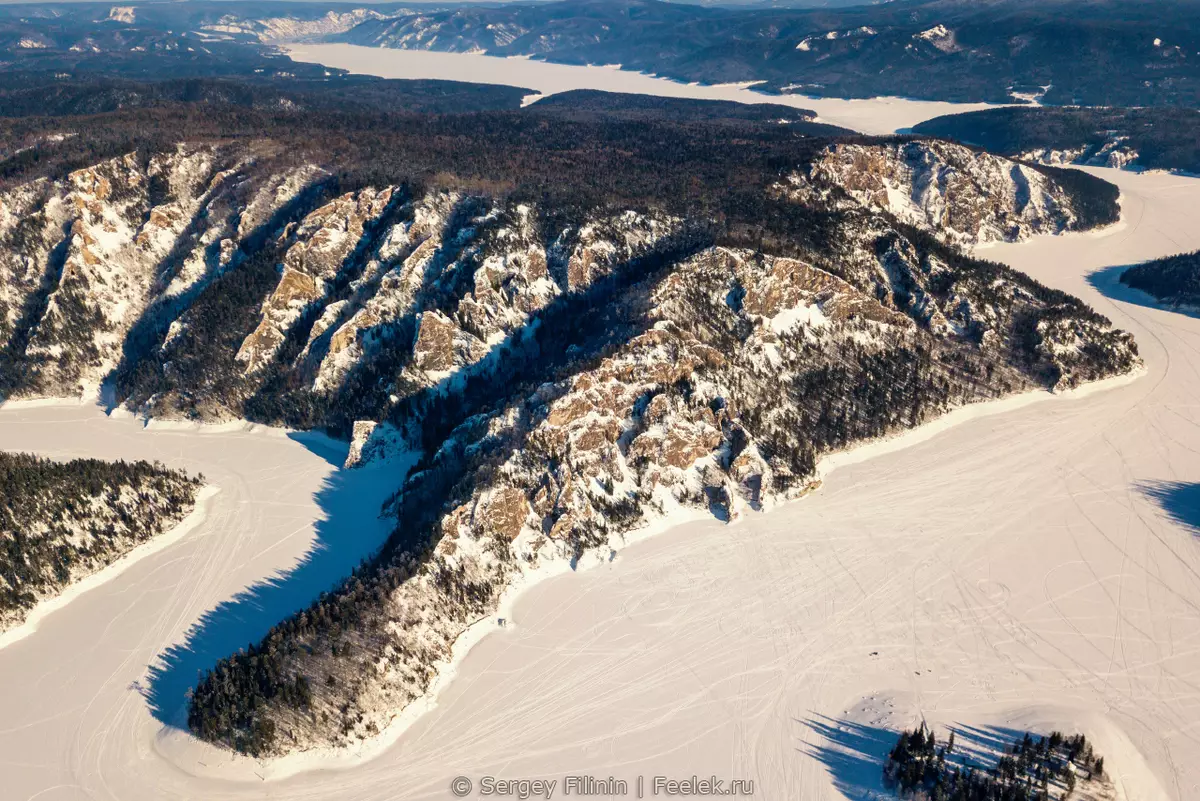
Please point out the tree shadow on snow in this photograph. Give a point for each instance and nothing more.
(349, 530)
(1179, 500)
(854, 755)
(1108, 283)
(981, 747)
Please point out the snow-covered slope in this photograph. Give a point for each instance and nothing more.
(565, 372)
(963, 196)
(87, 256)
(1115, 152)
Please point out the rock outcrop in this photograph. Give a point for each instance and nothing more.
(559, 374)
(963, 196)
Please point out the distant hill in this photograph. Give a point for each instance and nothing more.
(1141, 138)
(1065, 52)
(1084, 52)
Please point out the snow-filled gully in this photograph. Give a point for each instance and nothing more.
(1036, 566)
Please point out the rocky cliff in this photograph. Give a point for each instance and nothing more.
(962, 196)
(565, 369)
(87, 257)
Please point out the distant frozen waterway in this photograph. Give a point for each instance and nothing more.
(877, 116)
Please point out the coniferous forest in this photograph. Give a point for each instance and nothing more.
(1032, 768)
(1173, 280)
(60, 521)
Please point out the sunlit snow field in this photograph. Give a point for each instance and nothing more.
(1033, 567)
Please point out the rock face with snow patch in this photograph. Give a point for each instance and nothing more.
(1114, 153)
(87, 257)
(559, 374)
(963, 196)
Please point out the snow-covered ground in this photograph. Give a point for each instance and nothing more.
(1034, 567)
(878, 115)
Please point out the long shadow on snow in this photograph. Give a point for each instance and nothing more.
(1108, 283)
(348, 531)
(853, 753)
(1180, 500)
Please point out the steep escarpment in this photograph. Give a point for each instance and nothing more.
(576, 332)
(963, 196)
(61, 521)
(585, 379)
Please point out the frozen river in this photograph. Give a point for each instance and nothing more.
(880, 115)
(1038, 566)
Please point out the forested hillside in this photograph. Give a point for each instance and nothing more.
(1063, 53)
(582, 315)
(1143, 138)
(1070, 52)
(61, 521)
(1174, 280)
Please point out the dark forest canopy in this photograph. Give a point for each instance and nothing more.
(60, 521)
(1174, 280)
(1164, 138)
(673, 157)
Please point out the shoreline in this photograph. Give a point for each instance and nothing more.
(877, 116)
(48, 606)
(173, 744)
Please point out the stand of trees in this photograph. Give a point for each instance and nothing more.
(1032, 769)
(60, 521)
(1174, 280)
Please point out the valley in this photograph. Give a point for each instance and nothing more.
(1031, 566)
(877, 116)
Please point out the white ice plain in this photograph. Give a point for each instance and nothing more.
(878, 115)
(1034, 567)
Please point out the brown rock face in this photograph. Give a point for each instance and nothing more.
(442, 346)
(321, 245)
(505, 513)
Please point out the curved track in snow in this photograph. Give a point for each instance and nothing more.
(1035, 567)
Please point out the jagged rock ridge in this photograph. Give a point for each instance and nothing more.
(570, 378)
(962, 196)
(565, 372)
